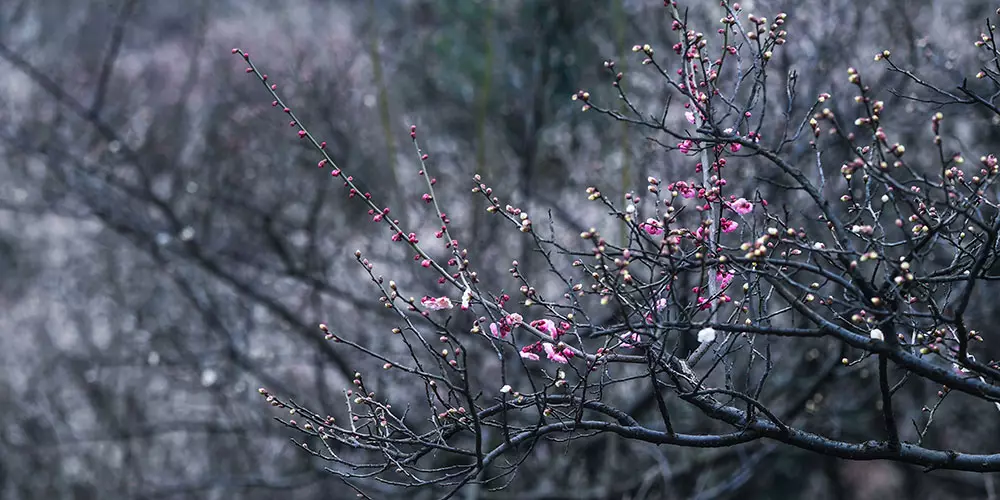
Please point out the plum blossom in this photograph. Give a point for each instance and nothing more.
(685, 146)
(724, 279)
(530, 351)
(563, 327)
(689, 116)
(652, 227)
(502, 328)
(733, 146)
(558, 353)
(741, 206)
(659, 306)
(706, 335)
(630, 339)
(546, 326)
(684, 189)
(727, 226)
(436, 303)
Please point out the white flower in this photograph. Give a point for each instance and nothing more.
(466, 298)
(877, 334)
(706, 335)
(505, 389)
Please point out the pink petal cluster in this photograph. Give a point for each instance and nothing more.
(686, 190)
(652, 227)
(436, 303)
(506, 325)
(559, 353)
(531, 351)
(660, 305)
(724, 279)
(741, 206)
(546, 326)
(704, 304)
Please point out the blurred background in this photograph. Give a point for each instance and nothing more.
(167, 245)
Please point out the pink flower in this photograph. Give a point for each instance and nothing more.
(436, 304)
(661, 304)
(557, 353)
(563, 327)
(686, 190)
(529, 356)
(685, 146)
(630, 339)
(514, 319)
(652, 227)
(531, 351)
(735, 147)
(547, 327)
(689, 116)
(727, 225)
(724, 279)
(741, 206)
(704, 304)
(506, 325)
